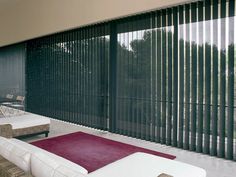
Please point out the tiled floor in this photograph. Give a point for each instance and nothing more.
(215, 167)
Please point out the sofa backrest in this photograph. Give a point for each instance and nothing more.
(44, 166)
(38, 162)
(60, 160)
(8, 169)
(16, 154)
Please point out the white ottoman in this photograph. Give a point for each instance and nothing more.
(146, 165)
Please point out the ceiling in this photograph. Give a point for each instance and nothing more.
(5, 4)
(7, 1)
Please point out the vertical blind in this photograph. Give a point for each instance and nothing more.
(166, 76)
(67, 76)
(175, 72)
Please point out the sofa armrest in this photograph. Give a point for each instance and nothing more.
(8, 169)
(6, 130)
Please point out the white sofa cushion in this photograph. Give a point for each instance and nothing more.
(147, 165)
(3, 140)
(15, 154)
(58, 159)
(63, 171)
(20, 157)
(42, 165)
(5, 147)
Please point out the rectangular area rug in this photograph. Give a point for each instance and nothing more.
(90, 151)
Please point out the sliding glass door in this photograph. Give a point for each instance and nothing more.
(175, 77)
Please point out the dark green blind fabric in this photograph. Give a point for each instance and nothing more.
(145, 70)
(175, 72)
(67, 76)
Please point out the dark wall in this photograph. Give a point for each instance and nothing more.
(12, 70)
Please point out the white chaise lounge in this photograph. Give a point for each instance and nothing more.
(24, 125)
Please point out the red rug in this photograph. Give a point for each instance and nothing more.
(89, 151)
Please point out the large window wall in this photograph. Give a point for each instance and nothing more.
(67, 76)
(166, 76)
(175, 77)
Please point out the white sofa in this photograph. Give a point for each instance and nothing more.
(35, 160)
(41, 163)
